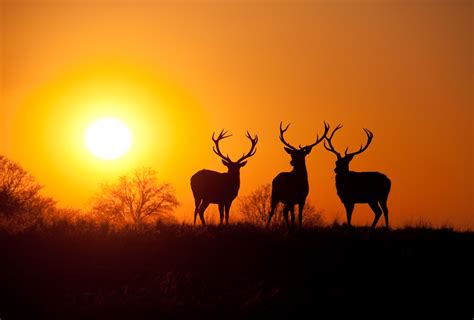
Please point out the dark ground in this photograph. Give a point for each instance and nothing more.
(71, 272)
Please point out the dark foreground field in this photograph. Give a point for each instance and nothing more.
(66, 272)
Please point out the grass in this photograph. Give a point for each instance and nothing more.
(67, 271)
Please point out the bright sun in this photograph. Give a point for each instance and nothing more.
(108, 138)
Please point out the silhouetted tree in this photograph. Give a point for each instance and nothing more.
(255, 206)
(136, 198)
(20, 197)
(254, 209)
(69, 215)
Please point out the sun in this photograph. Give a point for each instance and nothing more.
(108, 138)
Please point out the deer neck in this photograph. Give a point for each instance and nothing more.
(234, 178)
(342, 169)
(341, 175)
(300, 170)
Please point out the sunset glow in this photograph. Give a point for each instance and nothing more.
(245, 158)
(175, 73)
(108, 138)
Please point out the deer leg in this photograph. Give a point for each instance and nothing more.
(292, 211)
(383, 204)
(196, 208)
(300, 214)
(221, 213)
(349, 208)
(227, 210)
(270, 214)
(203, 208)
(285, 215)
(378, 212)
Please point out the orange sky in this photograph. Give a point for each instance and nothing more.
(177, 71)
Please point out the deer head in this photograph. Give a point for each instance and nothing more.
(342, 163)
(233, 166)
(298, 154)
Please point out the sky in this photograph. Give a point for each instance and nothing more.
(176, 71)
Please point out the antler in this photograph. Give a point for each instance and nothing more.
(222, 135)
(282, 138)
(252, 148)
(318, 140)
(370, 135)
(331, 147)
(216, 149)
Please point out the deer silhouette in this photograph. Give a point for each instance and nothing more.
(359, 187)
(291, 188)
(216, 187)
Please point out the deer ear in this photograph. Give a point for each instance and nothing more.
(243, 164)
(308, 150)
(226, 163)
(288, 150)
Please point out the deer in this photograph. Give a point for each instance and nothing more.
(292, 188)
(359, 187)
(219, 188)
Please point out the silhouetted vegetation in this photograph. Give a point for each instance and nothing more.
(136, 198)
(255, 206)
(21, 203)
(64, 263)
(88, 270)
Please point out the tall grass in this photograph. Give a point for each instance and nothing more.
(81, 269)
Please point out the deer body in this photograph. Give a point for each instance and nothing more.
(292, 188)
(219, 188)
(360, 187)
(215, 187)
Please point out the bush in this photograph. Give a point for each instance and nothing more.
(256, 206)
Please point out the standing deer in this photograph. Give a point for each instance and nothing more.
(359, 187)
(292, 188)
(216, 187)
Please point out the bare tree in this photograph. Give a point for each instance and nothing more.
(20, 196)
(312, 217)
(136, 198)
(254, 209)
